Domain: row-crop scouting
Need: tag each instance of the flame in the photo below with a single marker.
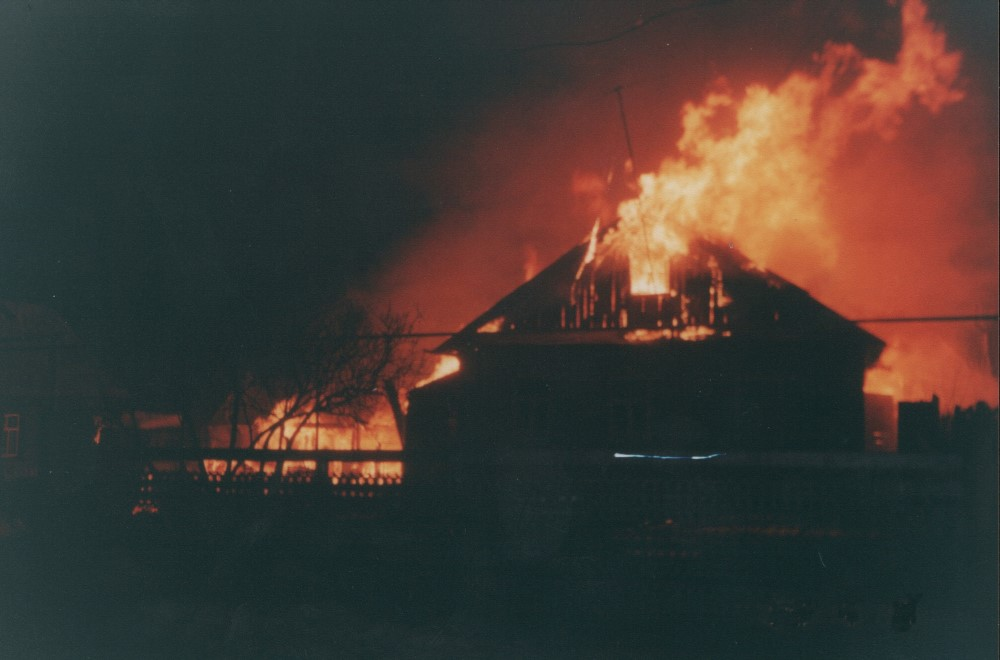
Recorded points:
(215, 466)
(491, 327)
(445, 366)
(870, 183)
(762, 183)
(918, 366)
(688, 333)
(318, 432)
(756, 168)
(531, 265)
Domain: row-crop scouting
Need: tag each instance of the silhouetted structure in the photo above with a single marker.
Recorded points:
(880, 422)
(919, 426)
(51, 395)
(730, 357)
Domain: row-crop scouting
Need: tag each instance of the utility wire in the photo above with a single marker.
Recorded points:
(889, 319)
(637, 25)
(931, 319)
(994, 317)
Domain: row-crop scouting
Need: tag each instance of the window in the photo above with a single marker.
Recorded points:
(11, 433)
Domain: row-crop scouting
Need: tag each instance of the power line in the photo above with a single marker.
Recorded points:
(994, 317)
(637, 25)
(409, 335)
(889, 319)
(931, 319)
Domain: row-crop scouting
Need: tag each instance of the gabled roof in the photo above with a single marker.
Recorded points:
(22, 322)
(43, 359)
(716, 293)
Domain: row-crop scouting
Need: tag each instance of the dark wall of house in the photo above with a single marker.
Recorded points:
(55, 390)
(55, 438)
(725, 395)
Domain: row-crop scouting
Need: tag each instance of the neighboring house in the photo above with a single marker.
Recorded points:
(51, 394)
(730, 358)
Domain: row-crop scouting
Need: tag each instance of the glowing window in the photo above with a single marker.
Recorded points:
(11, 434)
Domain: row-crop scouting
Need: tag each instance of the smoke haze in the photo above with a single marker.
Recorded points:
(890, 182)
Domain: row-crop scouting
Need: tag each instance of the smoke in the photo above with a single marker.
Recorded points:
(869, 181)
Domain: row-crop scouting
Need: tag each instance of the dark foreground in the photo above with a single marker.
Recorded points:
(300, 581)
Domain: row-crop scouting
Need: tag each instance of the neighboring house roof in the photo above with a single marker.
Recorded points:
(43, 359)
(717, 294)
(22, 322)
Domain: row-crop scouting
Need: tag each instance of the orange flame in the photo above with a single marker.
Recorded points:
(445, 366)
(868, 182)
(762, 184)
(756, 169)
(321, 432)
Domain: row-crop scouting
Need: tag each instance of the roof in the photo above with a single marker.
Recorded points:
(715, 293)
(43, 359)
(26, 322)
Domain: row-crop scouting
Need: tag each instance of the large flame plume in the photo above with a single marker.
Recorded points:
(752, 168)
(755, 169)
(869, 182)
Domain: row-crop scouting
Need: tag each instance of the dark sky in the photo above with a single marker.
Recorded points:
(179, 176)
(183, 178)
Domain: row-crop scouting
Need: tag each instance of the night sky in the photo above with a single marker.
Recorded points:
(187, 182)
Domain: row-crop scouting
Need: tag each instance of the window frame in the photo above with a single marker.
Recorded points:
(11, 435)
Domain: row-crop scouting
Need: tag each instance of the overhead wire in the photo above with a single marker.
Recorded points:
(640, 23)
(962, 318)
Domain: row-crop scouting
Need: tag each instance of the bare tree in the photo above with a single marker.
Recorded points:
(343, 365)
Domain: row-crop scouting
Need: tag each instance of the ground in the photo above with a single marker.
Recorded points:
(77, 585)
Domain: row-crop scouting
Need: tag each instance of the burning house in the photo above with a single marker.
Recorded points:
(697, 352)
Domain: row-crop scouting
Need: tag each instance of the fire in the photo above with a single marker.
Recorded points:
(531, 265)
(762, 182)
(755, 168)
(318, 432)
(445, 366)
(215, 466)
(688, 333)
(916, 366)
(868, 182)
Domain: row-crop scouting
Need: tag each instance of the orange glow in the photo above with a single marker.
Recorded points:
(762, 184)
(446, 365)
(312, 432)
(214, 466)
(916, 366)
(324, 431)
(688, 333)
(531, 265)
(298, 467)
(869, 182)
(492, 326)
